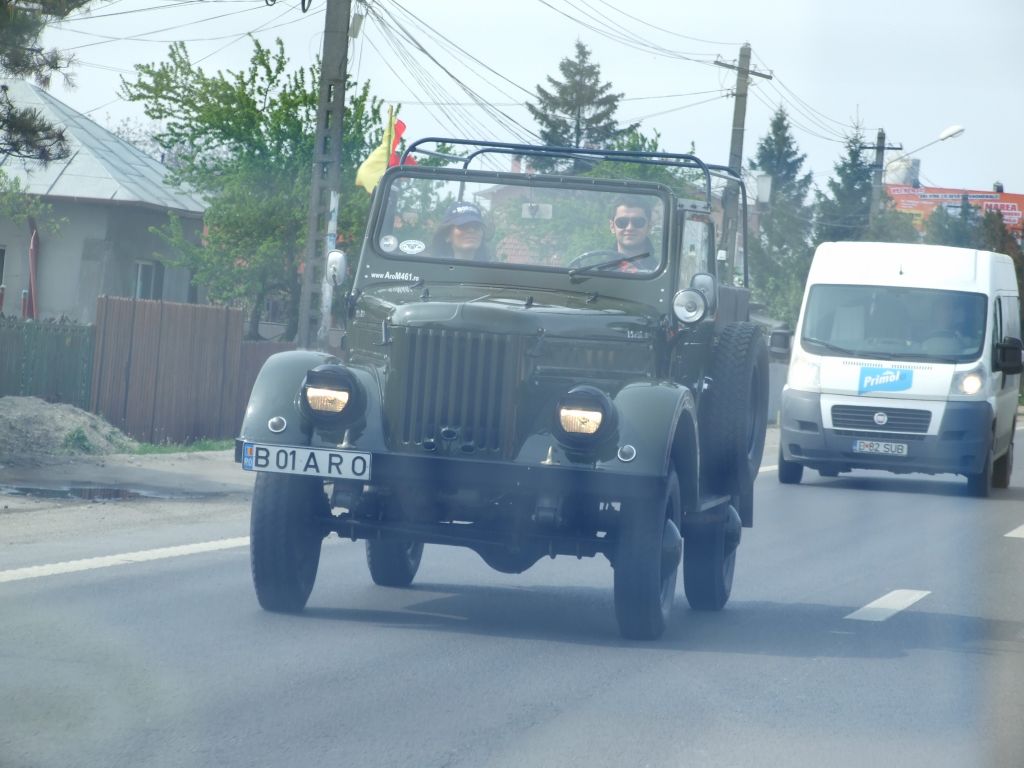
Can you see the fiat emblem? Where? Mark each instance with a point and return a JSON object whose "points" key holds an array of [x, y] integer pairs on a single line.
{"points": [[881, 419]]}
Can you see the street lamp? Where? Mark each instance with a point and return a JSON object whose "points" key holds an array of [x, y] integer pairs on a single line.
{"points": [[950, 133]]}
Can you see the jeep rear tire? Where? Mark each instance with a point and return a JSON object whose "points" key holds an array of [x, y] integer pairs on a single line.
{"points": [[709, 558], [393, 562], [646, 562], [285, 534], [735, 416]]}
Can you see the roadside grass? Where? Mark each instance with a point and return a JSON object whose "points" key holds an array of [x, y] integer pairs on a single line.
{"points": [[205, 444]]}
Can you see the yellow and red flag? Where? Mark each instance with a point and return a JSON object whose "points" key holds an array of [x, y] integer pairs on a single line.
{"points": [[383, 157]]}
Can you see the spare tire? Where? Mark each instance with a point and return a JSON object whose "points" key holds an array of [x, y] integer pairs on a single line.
{"points": [[734, 416]]}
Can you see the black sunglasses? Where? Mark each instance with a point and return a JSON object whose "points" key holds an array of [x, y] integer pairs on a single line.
{"points": [[638, 222]]}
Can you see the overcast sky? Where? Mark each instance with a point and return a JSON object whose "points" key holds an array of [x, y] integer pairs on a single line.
{"points": [[913, 68]]}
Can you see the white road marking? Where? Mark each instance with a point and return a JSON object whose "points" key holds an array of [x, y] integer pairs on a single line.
{"points": [[92, 563], [768, 469], [1016, 533], [888, 605]]}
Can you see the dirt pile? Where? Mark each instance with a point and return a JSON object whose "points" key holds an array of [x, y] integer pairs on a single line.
{"points": [[30, 426]]}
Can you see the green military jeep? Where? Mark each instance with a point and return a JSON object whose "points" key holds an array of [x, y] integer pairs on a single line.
{"points": [[532, 364]]}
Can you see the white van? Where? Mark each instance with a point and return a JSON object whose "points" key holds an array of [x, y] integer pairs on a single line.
{"points": [[905, 358]]}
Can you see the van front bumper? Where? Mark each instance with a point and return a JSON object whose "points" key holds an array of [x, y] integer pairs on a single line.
{"points": [[960, 446]]}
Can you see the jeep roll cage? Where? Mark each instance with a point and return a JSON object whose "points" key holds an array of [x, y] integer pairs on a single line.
{"points": [[638, 157]]}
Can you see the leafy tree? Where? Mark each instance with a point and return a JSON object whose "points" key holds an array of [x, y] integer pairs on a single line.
{"points": [[780, 253], [579, 110], [21, 208], [961, 230], [892, 226], [23, 131], [842, 213], [243, 141]]}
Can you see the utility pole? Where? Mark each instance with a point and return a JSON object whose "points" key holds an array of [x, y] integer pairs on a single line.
{"points": [[877, 174], [730, 199], [326, 172]]}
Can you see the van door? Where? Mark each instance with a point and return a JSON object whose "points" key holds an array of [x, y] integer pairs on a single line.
{"points": [[1005, 322]]}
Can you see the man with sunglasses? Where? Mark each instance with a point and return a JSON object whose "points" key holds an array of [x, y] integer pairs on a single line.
{"points": [[631, 225]]}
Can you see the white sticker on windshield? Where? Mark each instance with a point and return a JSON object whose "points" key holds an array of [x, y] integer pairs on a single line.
{"points": [[388, 243], [412, 246]]}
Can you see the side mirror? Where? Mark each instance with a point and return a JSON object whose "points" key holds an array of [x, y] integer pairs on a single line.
{"points": [[780, 344], [337, 268], [1009, 356], [705, 283]]}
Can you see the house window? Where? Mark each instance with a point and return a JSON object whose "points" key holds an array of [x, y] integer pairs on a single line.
{"points": [[149, 280]]}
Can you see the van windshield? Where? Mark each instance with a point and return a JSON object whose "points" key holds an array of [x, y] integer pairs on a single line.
{"points": [[895, 323]]}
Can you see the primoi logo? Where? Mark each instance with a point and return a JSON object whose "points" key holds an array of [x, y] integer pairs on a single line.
{"points": [[884, 380]]}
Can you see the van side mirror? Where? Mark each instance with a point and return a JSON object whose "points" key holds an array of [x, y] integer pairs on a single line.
{"points": [[706, 284], [780, 344], [1009, 357]]}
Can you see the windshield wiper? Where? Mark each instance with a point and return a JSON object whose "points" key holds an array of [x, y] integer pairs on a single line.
{"points": [[608, 263], [829, 346]]}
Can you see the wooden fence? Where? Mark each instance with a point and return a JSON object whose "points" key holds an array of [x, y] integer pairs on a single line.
{"points": [[46, 359], [166, 372]]}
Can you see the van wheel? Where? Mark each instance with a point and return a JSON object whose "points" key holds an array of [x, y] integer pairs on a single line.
{"points": [[1004, 467], [733, 422], [285, 534], [790, 472], [646, 564], [980, 483]]}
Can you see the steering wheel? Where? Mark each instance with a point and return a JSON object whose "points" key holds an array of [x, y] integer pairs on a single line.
{"points": [[592, 256]]}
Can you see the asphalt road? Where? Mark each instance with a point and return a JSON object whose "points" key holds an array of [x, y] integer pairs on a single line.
{"points": [[122, 643]]}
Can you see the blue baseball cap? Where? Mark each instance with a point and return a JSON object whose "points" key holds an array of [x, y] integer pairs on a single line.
{"points": [[462, 213]]}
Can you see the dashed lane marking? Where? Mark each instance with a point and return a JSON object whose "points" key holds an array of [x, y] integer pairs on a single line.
{"points": [[767, 469], [1016, 533], [128, 558], [888, 605]]}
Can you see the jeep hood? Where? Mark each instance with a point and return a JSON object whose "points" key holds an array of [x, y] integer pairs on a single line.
{"points": [[511, 310]]}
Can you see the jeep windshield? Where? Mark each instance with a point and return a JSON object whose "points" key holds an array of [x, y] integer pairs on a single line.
{"points": [[890, 322], [523, 223]]}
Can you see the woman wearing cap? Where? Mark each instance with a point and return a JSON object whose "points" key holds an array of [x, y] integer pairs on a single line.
{"points": [[461, 234]]}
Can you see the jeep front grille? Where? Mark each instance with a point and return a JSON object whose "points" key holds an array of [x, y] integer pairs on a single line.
{"points": [[857, 417], [452, 390]]}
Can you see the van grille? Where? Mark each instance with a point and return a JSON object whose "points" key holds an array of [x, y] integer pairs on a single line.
{"points": [[858, 417], [452, 390]]}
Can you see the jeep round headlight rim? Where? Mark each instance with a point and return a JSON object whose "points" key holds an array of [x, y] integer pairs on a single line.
{"points": [[689, 306], [331, 397], [584, 416]]}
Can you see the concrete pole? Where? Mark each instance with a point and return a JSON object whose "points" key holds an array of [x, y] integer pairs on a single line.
{"points": [[326, 171]]}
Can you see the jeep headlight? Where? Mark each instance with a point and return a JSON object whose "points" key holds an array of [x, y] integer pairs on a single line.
{"points": [[968, 383], [804, 373], [327, 400], [584, 417], [331, 396], [581, 421]]}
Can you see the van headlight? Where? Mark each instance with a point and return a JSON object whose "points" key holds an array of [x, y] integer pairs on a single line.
{"points": [[804, 373], [968, 383]]}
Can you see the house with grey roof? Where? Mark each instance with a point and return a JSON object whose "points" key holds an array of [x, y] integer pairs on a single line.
{"points": [[105, 195]]}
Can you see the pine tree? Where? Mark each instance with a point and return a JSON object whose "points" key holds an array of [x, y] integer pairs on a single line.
{"points": [[780, 253], [23, 132], [579, 110], [843, 213]]}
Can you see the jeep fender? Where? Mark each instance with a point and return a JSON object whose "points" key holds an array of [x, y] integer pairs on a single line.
{"points": [[650, 417], [276, 393]]}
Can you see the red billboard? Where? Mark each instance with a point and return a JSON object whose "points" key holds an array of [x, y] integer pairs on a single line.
{"points": [[919, 202]]}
